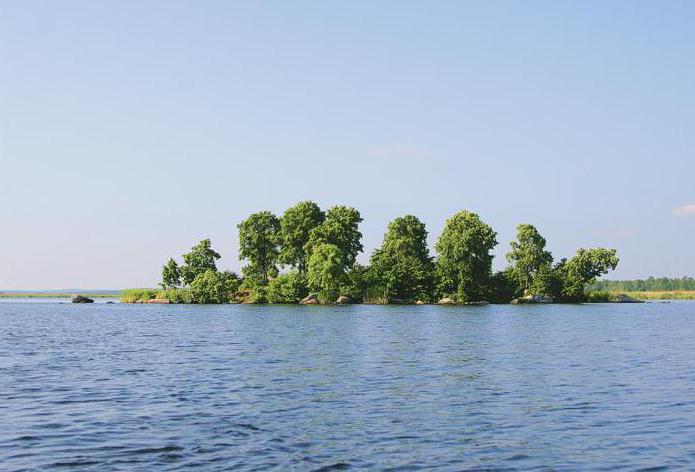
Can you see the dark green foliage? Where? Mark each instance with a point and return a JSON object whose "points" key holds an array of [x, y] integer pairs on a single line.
{"points": [[326, 272], [171, 275], [340, 229], [200, 259], [259, 245], [582, 270], [529, 260], [296, 225], [505, 287], [464, 261], [214, 287], [402, 267], [287, 288]]}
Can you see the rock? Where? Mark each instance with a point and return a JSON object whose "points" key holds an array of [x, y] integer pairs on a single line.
{"points": [[419, 302], [480, 303], [159, 301], [109, 303], [343, 300], [531, 299], [395, 301], [446, 301], [81, 299], [622, 298], [311, 299]]}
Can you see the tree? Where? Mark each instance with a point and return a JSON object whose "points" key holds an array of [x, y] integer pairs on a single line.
{"points": [[528, 256], [287, 288], [340, 229], [325, 271], [583, 268], [171, 275], [200, 259], [295, 226], [258, 243], [464, 262], [213, 287], [402, 266]]}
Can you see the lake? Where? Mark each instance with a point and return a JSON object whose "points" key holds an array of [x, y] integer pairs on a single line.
{"points": [[150, 387]]}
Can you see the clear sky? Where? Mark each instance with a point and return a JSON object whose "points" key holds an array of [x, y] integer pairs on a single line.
{"points": [[130, 130]]}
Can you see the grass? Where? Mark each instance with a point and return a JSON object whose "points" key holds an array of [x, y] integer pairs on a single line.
{"points": [[132, 295], [663, 295]]}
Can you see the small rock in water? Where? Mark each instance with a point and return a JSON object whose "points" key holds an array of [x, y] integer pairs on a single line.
{"points": [[81, 299]]}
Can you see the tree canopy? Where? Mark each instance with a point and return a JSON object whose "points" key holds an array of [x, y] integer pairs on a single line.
{"points": [[326, 271], [200, 259], [402, 266], [529, 258], [340, 229], [171, 275], [464, 261], [296, 224], [259, 244]]}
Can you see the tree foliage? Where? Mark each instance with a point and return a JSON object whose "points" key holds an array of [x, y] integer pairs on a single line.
{"points": [[287, 288], [583, 269], [296, 224], [529, 258], [200, 259], [464, 261], [214, 287], [340, 229], [171, 275], [326, 271], [258, 244], [402, 266]]}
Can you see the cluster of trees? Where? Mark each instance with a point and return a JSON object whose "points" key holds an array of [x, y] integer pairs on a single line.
{"points": [[318, 251], [660, 284]]}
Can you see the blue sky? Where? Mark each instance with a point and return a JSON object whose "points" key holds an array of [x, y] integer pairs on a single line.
{"points": [[130, 130]]}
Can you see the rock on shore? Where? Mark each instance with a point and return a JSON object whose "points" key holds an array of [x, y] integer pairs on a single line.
{"points": [[311, 299]]}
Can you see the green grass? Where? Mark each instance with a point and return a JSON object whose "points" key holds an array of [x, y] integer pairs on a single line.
{"points": [[664, 295], [132, 295]]}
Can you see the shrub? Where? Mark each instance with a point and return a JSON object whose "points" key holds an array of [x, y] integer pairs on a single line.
{"points": [[176, 295], [287, 288], [213, 287]]}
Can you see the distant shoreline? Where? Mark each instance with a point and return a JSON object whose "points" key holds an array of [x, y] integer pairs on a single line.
{"points": [[51, 294]]}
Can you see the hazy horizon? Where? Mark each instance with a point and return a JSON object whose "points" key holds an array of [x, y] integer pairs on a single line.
{"points": [[129, 132]]}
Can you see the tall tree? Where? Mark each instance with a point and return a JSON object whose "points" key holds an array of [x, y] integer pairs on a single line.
{"points": [[325, 271], [464, 262], [171, 275], [528, 256], [341, 229], [201, 258], [258, 244], [583, 268], [295, 226], [402, 266]]}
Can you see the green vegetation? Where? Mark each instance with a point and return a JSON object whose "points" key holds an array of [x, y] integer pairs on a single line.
{"points": [[661, 284], [663, 295], [135, 295], [318, 250], [53, 294]]}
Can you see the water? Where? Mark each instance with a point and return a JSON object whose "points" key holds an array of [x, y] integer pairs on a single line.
{"points": [[147, 387]]}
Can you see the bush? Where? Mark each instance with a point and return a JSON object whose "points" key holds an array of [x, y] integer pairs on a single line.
{"points": [[213, 287], [287, 288], [176, 295], [133, 295], [599, 297]]}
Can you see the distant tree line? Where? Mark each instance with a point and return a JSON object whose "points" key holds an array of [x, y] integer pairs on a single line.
{"points": [[652, 284], [309, 250]]}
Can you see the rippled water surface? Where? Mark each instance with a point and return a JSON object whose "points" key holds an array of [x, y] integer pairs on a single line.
{"points": [[145, 387]]}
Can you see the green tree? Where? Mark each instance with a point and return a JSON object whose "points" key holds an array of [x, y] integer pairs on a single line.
{"points": [[529, 257], [583, 269], [258, 244], [171, 275], [287, 288], [326, 272], [464, 262], [402, 266], [200, 259], [340, 229], [295, 226], [214, 287]]}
